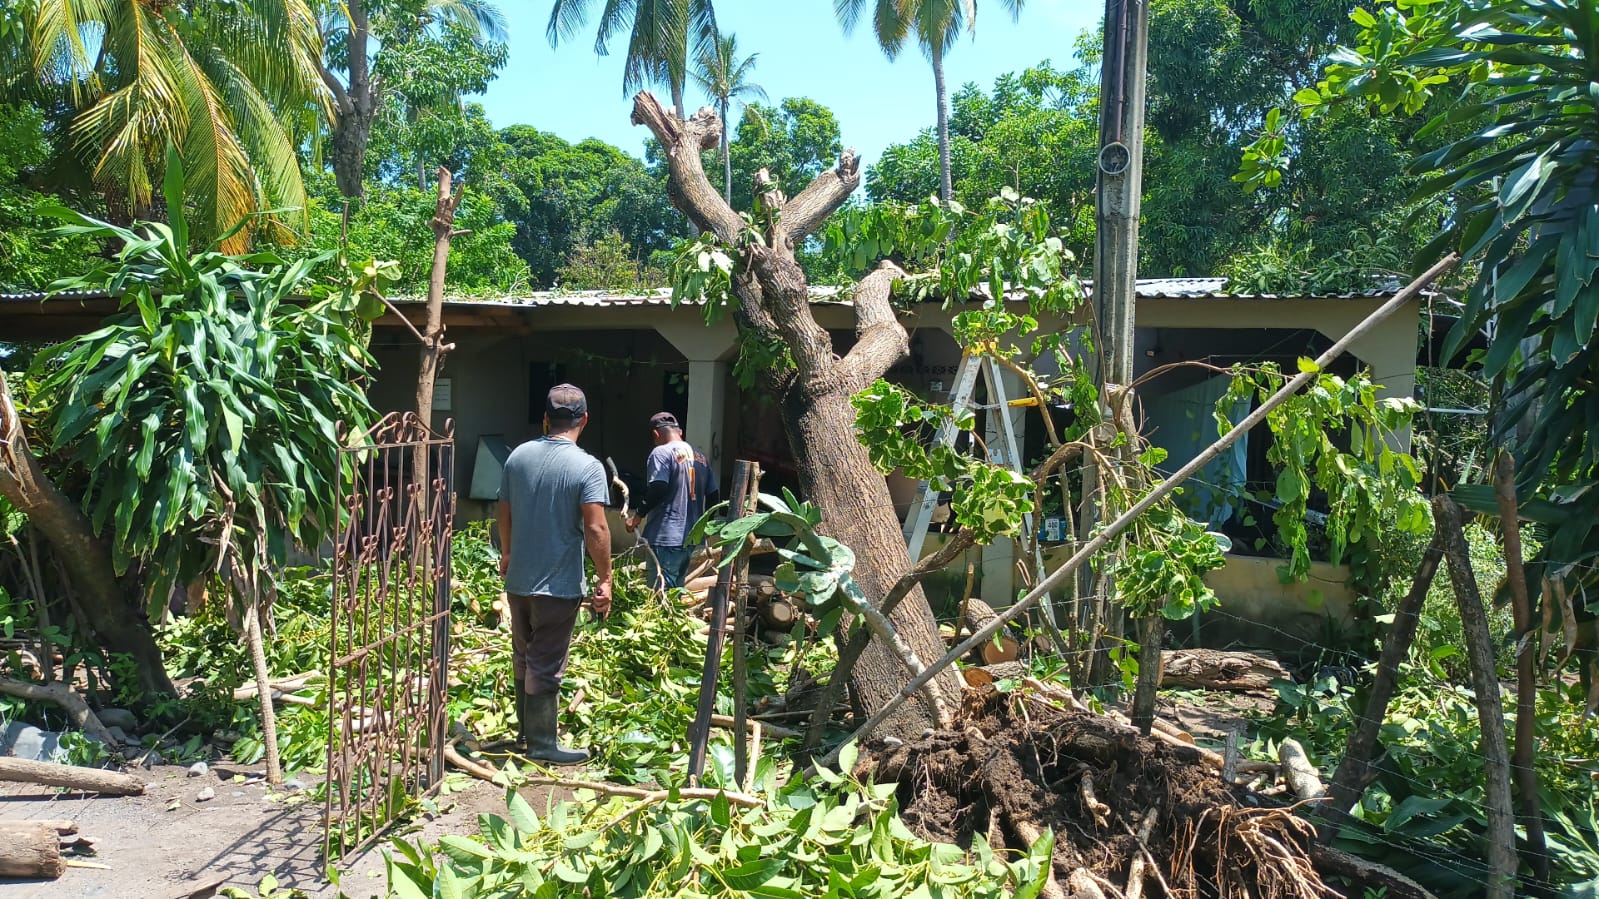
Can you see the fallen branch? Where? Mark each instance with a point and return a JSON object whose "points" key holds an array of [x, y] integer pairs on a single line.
{"points": [[453, 755], [1393, 884], [1135, 872], [62, 695], [775, 731], [89, 780], [1165, 488], [286, 684]]}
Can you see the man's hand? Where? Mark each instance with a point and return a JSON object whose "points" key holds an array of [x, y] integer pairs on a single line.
{"points": [[602, 599], [632, 523], [505, 563]]}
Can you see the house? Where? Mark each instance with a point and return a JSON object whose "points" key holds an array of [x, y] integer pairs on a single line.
{"points": [[637, 354]]}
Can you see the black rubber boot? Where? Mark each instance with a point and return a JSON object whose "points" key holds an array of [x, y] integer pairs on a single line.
{"points": [[538, 730], [519, 710]]}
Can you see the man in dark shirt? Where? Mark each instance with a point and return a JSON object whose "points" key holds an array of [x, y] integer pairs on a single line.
{"points": [[552, 507], [681, 486]]}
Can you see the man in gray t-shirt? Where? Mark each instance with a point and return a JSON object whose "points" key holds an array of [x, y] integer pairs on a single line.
{"points": [[680, 487], [552, 507]]}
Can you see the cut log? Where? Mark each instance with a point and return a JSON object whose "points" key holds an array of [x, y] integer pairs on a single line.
{"points": [[1300, 774], [1214, 669], [977, 677], [779, 613], [63, 827], [700, 584], [33, 851], [1004, 647], [89, 780]]}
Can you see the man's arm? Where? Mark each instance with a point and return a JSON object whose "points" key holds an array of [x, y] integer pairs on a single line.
{"points": [[503, 515], [597, 539]]}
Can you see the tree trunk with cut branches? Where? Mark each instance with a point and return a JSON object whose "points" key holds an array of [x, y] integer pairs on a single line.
{"points": [[835, 470], [110, 613], [433, 346]]}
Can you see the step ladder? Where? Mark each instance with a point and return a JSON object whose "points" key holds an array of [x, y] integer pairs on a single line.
{"points": [[1006, 451]]}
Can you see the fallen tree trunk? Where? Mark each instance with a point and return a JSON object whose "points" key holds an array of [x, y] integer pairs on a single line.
{"points": [[89, 780], [30, 851], [1214, 669], [1125, 520]]}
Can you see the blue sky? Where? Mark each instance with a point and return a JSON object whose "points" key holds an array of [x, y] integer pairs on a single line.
{"points": [[572, 92]]}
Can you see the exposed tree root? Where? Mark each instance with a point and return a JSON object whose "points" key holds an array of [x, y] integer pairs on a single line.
{"points": [[1020, 761]]}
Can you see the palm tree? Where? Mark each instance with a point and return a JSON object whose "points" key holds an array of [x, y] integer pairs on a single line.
{"points": [[936, 24], [725, 77], [219, 81], [658, 48]]}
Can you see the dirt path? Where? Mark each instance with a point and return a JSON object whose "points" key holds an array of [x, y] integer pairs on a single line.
{"points": [[165, 843]]}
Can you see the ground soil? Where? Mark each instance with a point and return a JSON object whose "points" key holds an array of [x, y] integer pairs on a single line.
{"points": [[165, 844], [1018, 762]]}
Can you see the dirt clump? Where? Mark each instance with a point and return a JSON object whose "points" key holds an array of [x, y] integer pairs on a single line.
{"points": [[1015, 764]]}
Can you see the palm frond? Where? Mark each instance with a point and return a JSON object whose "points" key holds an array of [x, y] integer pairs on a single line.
{"points": [[271, 147], [221, 185], [567, 17], [891, 23], [483, 16]]}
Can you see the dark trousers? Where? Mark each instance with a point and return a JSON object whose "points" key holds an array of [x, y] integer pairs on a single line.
{"points": [[541, 636], [668, 573]]}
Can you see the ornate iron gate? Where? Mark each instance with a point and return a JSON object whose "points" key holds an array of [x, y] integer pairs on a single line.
{"points": [[391, 630]]}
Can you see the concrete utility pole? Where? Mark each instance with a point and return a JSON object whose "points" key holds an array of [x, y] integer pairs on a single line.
{"points": [[1117, 204]]}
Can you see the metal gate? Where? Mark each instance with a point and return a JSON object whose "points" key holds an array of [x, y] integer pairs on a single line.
{"points": [[390, 644]]}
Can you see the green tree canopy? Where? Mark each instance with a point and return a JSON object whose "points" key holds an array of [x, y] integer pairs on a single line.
{"points": [[560, 195], [794, 141]]}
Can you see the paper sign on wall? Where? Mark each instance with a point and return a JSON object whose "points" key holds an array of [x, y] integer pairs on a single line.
{"points": [[441, 395]]}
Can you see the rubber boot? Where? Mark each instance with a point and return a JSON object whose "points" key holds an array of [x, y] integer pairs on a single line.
{"points": [[519, 709], [538, 730]]}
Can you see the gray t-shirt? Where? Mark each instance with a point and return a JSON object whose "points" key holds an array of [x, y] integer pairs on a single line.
{"points": [[547, 482], [691, 481]]}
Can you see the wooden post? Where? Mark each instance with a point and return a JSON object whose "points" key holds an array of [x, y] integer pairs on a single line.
{"points": [[1526, 643], [1353, 773], [1151, 631], [1490, 711], [699, 734], [742, 608]]}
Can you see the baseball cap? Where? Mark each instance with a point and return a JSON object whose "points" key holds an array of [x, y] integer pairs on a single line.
{"points": [[566, 402], [660, 421]]}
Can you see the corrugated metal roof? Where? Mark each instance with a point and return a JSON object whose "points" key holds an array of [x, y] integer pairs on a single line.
{"points": [[1148, 288], [35, 296]]}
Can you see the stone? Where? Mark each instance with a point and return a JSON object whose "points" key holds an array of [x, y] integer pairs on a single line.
{"points": [[118, 718], [199, 769], [293, 783], [154, 758], [205, 795], [117, 735], [24, 741]]}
